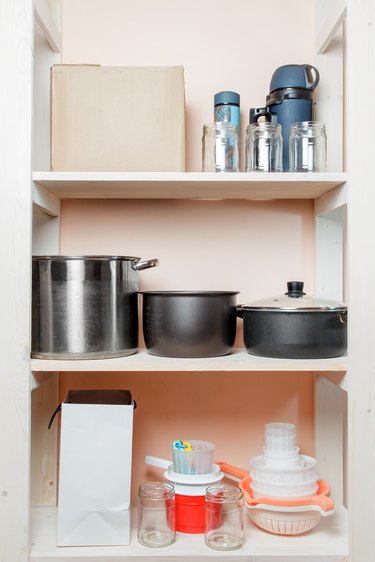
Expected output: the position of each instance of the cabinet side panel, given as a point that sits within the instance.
(44, 443)
(361, 150)
(16, 36)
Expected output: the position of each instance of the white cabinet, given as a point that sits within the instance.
(343, 387)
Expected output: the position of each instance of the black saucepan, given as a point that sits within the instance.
(189, 323)
(295, 326)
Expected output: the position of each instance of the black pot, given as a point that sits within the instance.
(295, 326)
(189, 323)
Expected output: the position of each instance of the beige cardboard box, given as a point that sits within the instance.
(129, 119)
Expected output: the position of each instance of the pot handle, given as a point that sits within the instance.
(344, 317)
(239, 311)
(138, 265)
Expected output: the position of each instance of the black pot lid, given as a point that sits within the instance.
(295, 299)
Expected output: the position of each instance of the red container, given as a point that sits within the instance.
(190, 514)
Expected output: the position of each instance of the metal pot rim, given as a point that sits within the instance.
(327, 308)
(188, 293)
(88, 258)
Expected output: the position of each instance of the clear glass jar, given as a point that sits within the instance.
(224, 517)
(308, 147)
(156, 514)
(264, 147)
(220, 147)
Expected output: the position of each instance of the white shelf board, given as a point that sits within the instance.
(326, 543)
(239, 360)
(188, 185)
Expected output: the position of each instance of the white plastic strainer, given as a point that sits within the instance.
(282, 491)
(301, 473)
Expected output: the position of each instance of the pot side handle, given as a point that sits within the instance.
(239, 311)
(144, 264)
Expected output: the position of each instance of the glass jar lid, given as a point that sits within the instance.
(296, 300)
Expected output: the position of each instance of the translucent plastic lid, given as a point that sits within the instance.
(296, 299)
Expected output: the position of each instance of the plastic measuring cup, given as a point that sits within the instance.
(198, 460)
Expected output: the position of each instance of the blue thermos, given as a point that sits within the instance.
(291, 100)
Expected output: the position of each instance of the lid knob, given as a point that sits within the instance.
(295, 289)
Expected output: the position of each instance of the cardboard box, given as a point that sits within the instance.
(128, 119)
(95, 468)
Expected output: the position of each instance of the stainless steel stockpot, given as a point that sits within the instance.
(85, 307)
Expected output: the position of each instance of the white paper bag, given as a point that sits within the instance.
(95, 468)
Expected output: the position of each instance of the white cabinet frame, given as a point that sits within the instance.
(349, 388)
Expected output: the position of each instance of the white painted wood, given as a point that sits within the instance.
(330, 99)
(46, 238)
(16, 32)
(326, 543)
(191, 185)
(44, 443)
(334, 199)
(328, 27)
(240, 360)
(46, 201)
(46, 228)
(361, 236)
(341, 380)
(44, 58)
(329, 254)
(47, 24)
(329, 444)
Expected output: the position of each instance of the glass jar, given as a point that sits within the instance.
(220, 147)
(156, 514)
(308, 147)
(264, 147)
(224, 517)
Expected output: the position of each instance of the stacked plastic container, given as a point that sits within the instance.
(283, 494)
(281, 472)
(191, 473)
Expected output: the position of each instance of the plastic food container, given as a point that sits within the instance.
(198, 460)
(283, 491)
(301, 473)
(283, 516)
(190, 491)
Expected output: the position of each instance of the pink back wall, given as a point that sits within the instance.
(222, 45)
(251, 247)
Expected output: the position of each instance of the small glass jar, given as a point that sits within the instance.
(156, 514)
(224, 517)
(220, 147)
(308, 147)
(264, 147)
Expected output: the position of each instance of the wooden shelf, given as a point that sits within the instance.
(239, 360)
(326, 543)
(189, 185)
(47, 25)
